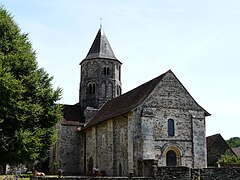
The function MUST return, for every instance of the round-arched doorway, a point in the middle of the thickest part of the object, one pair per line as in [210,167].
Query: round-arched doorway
[171,158]
[172,155]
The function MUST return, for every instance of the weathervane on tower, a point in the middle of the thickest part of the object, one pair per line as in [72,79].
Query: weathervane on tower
[101,19]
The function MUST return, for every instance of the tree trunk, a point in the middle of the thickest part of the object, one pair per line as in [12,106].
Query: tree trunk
[3,168]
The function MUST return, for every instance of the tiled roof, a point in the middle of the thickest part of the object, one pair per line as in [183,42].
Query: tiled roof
[100,48]
[126,102]
[216,146]
[211,139]
[73,113]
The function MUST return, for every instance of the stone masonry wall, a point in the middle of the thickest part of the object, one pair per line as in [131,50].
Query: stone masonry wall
[172,173]
[108,147]
[185,173]
[170,100]
[90,134]
[82,139]
[199,140]
[104,147]
[156,141]
[220,173]
[92,71]
[99,147]
[70,149]
[120,150]
[168,173]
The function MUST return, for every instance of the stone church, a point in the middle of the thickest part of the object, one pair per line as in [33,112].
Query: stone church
[158,122]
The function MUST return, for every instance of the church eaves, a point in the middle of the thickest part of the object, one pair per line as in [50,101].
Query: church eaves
[100,48]
[129,101]
[126,102]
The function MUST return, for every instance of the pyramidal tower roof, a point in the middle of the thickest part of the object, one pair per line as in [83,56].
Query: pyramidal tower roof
[100,47]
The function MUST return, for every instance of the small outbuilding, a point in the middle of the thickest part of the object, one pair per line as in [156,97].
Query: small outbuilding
[216,147]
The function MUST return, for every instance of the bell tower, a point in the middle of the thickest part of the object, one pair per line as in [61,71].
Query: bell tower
[100,78]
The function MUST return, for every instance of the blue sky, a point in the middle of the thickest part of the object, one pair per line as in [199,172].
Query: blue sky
[198,40]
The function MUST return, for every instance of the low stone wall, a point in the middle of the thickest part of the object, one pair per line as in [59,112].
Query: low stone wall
[220,173]
[170,173]
[90,178]
[185,173]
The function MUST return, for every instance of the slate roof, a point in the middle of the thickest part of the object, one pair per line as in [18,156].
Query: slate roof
[216,138]
[100,48]
[216,146]
[126,102]
[211,139]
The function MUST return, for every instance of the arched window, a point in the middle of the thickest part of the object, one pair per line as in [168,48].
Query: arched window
[91,88]
[118,90]
[106,71]
[171,158]
[119,73]
[122,135]
[170,127]
[120,169]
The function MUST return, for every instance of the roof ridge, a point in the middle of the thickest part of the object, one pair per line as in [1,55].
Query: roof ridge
[132,98]
[100,47]
[213,137]
[206,113]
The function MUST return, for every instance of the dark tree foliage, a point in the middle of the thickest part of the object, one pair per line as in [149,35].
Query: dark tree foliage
[234,142]
[28,109]
[229,159]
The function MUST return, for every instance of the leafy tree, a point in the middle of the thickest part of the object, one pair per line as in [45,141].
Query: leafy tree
[234,142]
[229,159]
[28,109]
